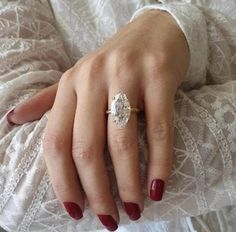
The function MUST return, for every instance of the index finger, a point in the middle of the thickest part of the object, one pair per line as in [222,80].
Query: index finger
[57,150]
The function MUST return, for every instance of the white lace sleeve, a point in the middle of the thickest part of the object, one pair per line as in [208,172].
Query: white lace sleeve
[210,38]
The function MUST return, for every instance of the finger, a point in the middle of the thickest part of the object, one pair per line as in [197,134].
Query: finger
[123,147]
[88,152]
[159,100]
[57,150]
[33,108]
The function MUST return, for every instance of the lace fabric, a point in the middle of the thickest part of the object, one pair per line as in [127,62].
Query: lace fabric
[33,57]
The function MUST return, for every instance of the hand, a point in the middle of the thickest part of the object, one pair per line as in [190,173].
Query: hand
[147,60]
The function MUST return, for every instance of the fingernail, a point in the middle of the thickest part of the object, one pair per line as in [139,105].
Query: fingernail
[74,210]
[156,190]
[108,221]
[132,210]
[9,115]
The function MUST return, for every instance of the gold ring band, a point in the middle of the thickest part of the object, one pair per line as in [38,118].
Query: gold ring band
[132,110]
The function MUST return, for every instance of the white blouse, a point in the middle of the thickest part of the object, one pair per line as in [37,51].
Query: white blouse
[41,39]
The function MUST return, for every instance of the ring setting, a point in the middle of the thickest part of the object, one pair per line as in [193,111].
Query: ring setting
[121,110]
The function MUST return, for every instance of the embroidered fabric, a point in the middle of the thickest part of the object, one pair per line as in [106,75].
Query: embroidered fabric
[33,57]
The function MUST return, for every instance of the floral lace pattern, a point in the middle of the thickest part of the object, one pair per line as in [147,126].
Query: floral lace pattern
[33,56]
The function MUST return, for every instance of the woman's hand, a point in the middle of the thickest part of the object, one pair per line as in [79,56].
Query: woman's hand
[147,60]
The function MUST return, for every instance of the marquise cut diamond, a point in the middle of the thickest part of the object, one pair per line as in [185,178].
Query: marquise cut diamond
[120,109]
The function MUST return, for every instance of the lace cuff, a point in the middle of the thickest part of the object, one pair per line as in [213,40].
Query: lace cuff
[193,24]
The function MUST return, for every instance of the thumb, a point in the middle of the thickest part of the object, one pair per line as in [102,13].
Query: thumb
[33,108]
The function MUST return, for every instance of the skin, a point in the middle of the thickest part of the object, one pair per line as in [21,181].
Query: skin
[147,59]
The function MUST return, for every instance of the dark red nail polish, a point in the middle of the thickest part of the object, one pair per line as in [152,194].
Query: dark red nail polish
[74,210]
[132,210]
[108,221]
[9,118]
[157,189]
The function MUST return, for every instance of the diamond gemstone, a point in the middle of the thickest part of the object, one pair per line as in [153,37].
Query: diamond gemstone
[120,109]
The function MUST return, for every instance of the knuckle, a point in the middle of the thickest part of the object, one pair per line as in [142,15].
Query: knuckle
[60,189]
[157,63]
[53,144]
[160,130]
[66,75]
[165,161]
[93,66]
[163,164]
[96,62]
[67,78]
[151,59]
[122,60]
[121,143]
[90,70]
[97,200]
[120,53]
[162,60]
[82,152]
[128,188]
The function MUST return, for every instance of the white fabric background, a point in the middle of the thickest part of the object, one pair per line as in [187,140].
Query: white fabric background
[33,57]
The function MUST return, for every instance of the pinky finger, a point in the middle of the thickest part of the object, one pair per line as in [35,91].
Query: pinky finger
[160,133]
[33,108]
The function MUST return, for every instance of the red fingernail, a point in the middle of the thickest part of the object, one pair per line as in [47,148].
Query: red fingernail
[156,190]
[108,221]
[132,210]
[9,115]
[74,210]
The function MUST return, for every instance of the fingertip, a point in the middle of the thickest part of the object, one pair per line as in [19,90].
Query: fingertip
[108,221]
[10,119]
[133,210]
[157,189]
[74,210]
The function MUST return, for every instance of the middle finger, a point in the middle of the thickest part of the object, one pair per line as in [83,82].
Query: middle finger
[88,152]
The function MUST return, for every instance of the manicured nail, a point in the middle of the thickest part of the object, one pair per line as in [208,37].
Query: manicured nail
[74,210]
[9,115]
[108,221]
[156,190]
[132,210]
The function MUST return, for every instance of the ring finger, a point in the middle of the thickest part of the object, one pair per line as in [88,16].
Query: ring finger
[123,147]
